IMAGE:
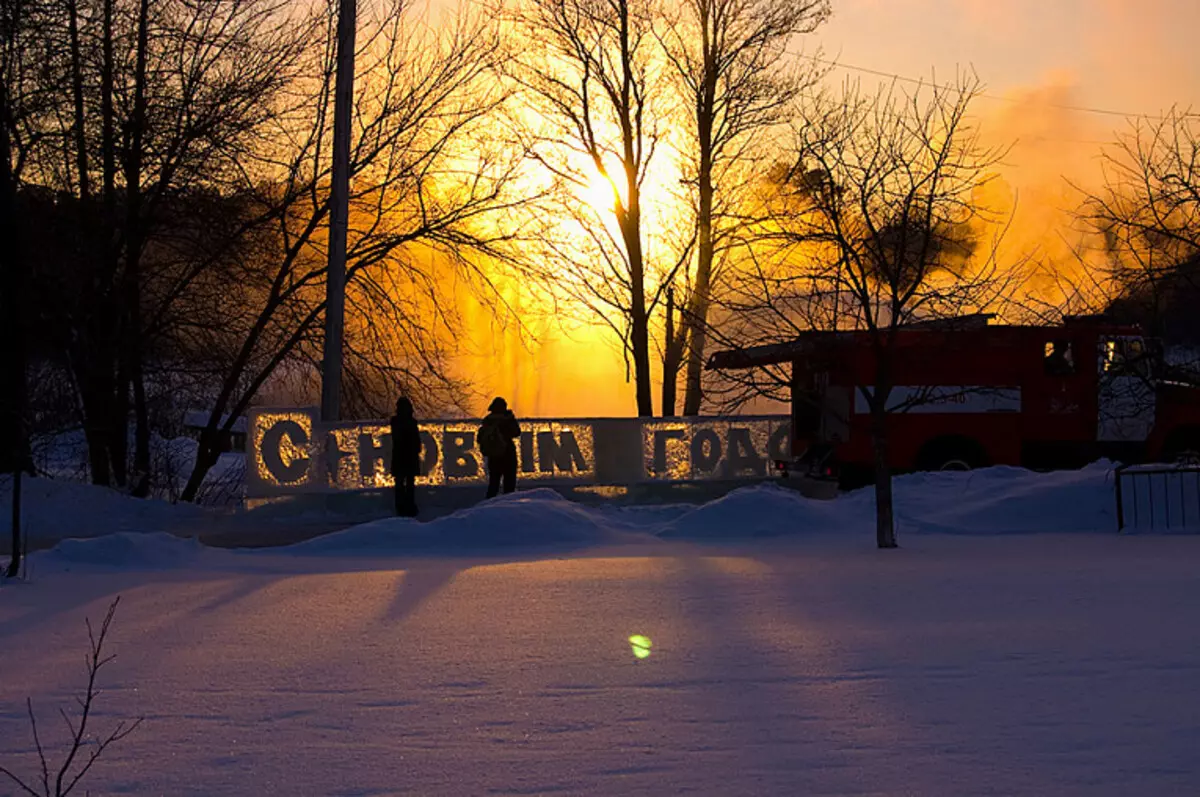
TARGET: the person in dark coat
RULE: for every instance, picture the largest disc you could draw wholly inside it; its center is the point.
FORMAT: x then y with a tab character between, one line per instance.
497	442
406	457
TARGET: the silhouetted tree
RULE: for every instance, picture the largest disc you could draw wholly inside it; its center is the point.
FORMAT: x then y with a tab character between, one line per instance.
738	81
877	219
1146	216
588	67
426	178
145	102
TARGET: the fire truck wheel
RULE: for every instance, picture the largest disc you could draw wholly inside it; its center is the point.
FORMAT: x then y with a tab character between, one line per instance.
951	453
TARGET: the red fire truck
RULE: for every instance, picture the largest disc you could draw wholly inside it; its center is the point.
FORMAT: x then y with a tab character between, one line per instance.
969	393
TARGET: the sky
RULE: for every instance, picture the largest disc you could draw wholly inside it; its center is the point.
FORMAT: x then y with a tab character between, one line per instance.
1037	59
1134	56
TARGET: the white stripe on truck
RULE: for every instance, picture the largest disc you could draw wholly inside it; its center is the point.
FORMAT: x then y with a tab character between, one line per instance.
946	399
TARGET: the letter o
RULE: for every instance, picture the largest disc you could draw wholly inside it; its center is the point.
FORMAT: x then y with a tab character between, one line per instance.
706	450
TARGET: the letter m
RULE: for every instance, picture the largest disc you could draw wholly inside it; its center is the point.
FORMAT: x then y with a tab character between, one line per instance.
559	452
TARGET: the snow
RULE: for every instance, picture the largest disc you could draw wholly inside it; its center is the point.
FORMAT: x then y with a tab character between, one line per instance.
535	519
1005	500
63	457
151	550
55	510
1014	644
999	500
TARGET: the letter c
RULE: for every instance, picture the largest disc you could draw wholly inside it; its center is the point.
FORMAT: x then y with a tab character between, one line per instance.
272	454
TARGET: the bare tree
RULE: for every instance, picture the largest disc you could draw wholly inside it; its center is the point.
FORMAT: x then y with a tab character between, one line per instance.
732	63
880	230
1146	217
149	100
589	69
83	751
425	178
14	23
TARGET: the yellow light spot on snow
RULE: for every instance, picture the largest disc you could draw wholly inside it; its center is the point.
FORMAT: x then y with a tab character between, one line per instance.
640	645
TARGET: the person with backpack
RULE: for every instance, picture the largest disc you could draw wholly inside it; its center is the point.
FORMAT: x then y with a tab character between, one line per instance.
406	457
497	442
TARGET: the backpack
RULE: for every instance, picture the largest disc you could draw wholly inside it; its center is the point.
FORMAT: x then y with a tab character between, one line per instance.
491	439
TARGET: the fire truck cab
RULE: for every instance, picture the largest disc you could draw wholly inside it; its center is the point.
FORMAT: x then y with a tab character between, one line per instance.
967	393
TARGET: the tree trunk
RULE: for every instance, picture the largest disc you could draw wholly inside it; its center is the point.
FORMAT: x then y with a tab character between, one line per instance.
13	449
696	318
96	359
696	341
631	223
141	434
639	332
81	153
672	359
118	427
639	339
207	455
12	389
885	527
95	392
209	451
134	237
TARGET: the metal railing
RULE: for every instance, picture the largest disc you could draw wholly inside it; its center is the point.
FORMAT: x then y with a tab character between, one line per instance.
1150	495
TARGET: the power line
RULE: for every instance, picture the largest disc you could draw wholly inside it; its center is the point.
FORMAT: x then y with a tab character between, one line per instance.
996	97
1018	139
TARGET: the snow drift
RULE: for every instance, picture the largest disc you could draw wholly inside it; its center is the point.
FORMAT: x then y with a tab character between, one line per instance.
1001	500
993	501
56	510
535	519
766	510
129	550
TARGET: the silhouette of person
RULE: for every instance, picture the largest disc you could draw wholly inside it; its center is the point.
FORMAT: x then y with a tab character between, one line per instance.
406	457
497	441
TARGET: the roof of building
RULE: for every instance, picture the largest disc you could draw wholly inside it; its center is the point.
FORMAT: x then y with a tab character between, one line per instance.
824	342
198	419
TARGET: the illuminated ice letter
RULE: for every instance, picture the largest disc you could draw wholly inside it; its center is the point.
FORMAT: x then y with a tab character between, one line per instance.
334	454
460	462
527	463
429	453
706	450
563	456
369	453
291	471
743	459
780	444
661	437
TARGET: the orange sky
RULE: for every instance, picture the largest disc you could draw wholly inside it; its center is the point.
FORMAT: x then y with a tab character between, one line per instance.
1135	56
1129	55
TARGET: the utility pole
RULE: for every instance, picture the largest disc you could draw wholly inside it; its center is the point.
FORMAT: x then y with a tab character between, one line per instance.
339	212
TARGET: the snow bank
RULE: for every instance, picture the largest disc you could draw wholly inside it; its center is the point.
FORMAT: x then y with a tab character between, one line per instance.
154	550
1004	500
999	500
993	501
536	519
762	511
55	510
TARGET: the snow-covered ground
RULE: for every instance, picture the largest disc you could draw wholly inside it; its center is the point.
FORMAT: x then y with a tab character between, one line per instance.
1014	644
